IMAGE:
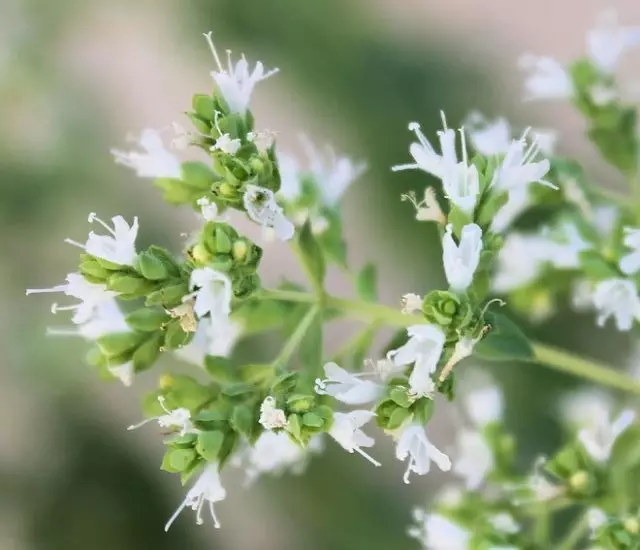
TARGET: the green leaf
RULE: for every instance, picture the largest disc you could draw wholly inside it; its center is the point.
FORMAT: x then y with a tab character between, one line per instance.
504	342
231	440
151	267
175	337
595	266
294	426
313	420
180	459
397	418
244	421
257	374
311	257
147	319
169	296
400	397
131	285
366	283
147	353
197	175
209	445
204	106
220	369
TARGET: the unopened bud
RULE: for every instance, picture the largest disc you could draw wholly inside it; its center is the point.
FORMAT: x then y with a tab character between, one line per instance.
579	480
632	525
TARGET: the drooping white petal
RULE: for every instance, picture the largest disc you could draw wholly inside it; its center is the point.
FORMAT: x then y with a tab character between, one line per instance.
347	433
608	41
176	418
435	532
461	260
598	440
207	488
212	292
154	162
414	445
475	459
488	138
346	387
617	298
546	78
519	262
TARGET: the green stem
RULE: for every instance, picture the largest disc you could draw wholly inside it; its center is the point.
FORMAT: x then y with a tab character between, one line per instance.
294	340
555	358
575	534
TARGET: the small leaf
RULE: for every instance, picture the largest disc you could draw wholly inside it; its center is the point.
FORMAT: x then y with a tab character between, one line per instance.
175	337
244	421
400	397
118	343
366	283
257	374
204	106
197	175
180	459
397	418
147	319
504	342
312	257
147	353
220	369
312	420
209	445
294	426
151	267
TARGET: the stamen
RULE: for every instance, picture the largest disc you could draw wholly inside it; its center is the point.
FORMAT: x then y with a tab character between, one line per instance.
216	523
229	62
74	243
400	167
463	140
175	515
199	520
209	37
55	308
140	424
94	217
408	471
444	120
368	457
161	400
52	331
59	288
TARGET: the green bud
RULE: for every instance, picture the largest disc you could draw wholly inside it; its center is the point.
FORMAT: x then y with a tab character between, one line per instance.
397	418
632	525
129	285
147	319
112	345
294	426
579	481
147	353
423	410
245	284
257	166
209	445
240	250
223	243
226	190
300	403
400	397
169	296
151	267
312	420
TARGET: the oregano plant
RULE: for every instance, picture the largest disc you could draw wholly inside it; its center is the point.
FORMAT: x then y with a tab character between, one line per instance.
136	305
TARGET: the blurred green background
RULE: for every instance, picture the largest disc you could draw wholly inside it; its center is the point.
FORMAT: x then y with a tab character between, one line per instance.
75	77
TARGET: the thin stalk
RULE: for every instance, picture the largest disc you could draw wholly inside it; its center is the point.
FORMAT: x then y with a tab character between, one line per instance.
296	337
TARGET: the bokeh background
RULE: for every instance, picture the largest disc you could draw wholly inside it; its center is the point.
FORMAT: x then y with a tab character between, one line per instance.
77	75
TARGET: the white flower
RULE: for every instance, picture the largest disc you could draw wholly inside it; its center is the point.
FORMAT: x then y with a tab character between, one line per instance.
435	532
413	443
424	349
519	168
582	295
461	261
598	439
261	207
177	418
119	247
383	368
236	82
411	303
125	373
546	78
488	138
484	405
460	181
346	387
275	453
271	417
209	209
630	264
347	433
106	318
505	523
608	41
215	336
333	174
475	460
207	488
617	298
450	496
585	407
290	177
519	262
565	243
596	518
214	292
91	296
227	145
154	162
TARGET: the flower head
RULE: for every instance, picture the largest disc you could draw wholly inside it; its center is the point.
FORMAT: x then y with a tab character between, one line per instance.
119	247
630	264
154	162
332	173
176	418
413	444
546	78
423	349
617	298
346	387
106	318
261	207
599	437
347	433
236	82
435	532
411	303
461	260
608	41
271	417
519	167
488	138
227	144
209	209
475	460
213	294
90	295
207	488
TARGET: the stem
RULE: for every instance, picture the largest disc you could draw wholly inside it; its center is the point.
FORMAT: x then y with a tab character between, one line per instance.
294	340
575	534
550	356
